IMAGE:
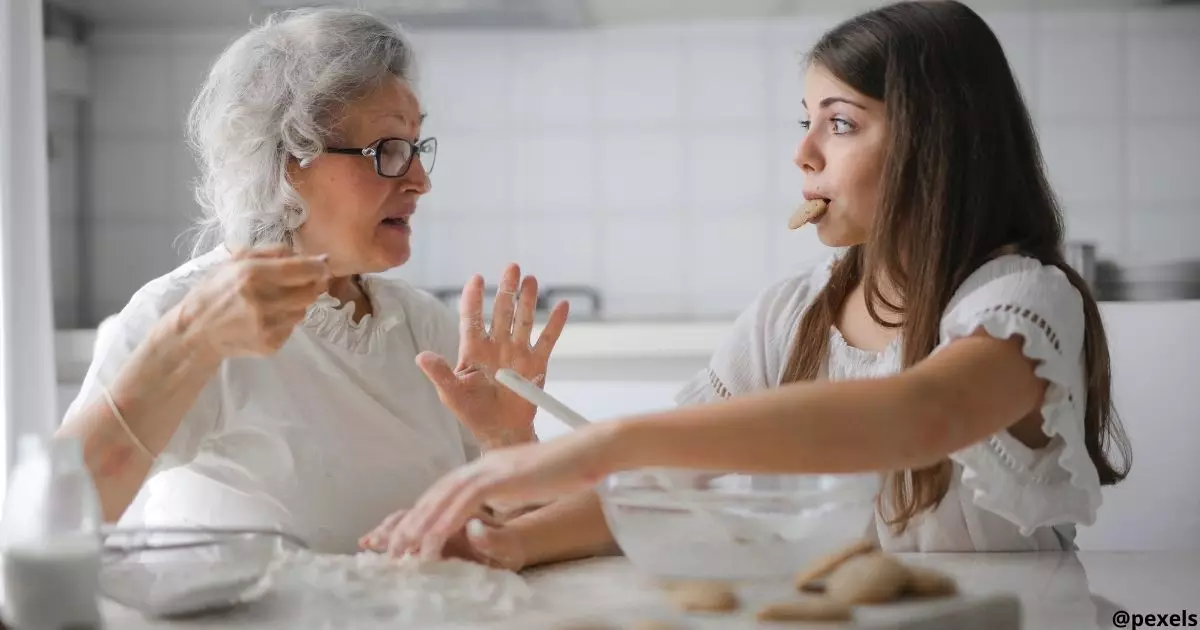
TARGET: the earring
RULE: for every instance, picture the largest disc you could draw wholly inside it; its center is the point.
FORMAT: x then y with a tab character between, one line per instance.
293	218
304	162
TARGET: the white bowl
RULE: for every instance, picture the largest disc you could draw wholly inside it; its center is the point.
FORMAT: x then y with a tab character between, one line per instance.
674	523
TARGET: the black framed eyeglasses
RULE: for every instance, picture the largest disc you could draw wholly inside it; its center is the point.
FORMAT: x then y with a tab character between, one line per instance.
394	156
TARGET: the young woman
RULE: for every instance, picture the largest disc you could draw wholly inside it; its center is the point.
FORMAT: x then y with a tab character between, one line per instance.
947	346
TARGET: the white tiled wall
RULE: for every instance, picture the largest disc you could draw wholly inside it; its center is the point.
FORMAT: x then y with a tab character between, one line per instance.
62	119
654	162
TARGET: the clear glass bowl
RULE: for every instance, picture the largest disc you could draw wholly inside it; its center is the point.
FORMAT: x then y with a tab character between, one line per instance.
176	572
673	523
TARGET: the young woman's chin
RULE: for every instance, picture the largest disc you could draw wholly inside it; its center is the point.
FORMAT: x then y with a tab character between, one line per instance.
833	234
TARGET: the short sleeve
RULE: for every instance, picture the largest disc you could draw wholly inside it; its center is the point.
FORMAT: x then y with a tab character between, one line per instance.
1058	484
753	355
116	340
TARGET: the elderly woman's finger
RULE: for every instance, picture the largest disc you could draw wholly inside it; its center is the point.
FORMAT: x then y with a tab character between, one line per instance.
526	309
291	298
506	298
438	371
470	309
551	331
292	318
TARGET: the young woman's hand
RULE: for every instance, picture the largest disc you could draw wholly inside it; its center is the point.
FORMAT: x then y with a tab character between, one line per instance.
527	473
484	539
496	416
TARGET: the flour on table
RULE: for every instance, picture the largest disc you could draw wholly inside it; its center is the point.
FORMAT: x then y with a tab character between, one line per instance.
384	589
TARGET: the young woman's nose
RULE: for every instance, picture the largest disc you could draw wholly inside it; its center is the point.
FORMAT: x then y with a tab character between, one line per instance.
808	155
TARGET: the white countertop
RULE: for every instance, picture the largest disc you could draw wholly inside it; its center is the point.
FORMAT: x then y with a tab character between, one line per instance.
1055	590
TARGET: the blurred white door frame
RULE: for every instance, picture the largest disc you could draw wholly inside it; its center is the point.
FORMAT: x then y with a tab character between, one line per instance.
27	376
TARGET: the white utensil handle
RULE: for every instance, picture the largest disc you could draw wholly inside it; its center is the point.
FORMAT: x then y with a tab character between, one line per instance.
539	397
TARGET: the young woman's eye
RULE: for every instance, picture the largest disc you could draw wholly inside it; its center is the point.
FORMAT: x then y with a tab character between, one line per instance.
841	125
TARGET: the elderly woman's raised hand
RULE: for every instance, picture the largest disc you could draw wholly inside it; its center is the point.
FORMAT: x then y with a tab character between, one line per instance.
250	305
495	415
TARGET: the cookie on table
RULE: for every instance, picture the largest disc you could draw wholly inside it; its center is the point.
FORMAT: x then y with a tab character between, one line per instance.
871	578
808	580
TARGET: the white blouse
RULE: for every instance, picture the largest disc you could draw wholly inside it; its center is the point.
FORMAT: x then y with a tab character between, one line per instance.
323	439
1004	496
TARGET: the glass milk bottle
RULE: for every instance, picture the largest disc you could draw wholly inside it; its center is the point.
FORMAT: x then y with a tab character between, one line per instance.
50	539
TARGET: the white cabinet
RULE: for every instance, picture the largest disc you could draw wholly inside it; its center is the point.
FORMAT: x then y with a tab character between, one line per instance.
1154	348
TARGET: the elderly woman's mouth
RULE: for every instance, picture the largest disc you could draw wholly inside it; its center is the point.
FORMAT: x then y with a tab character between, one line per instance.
396	222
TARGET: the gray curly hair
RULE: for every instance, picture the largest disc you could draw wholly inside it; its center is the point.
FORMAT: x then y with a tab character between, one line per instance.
274	94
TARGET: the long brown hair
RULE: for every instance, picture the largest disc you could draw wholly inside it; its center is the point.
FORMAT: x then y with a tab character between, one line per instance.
963	179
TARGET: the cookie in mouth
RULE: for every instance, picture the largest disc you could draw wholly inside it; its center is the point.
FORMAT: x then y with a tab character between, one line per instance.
809	211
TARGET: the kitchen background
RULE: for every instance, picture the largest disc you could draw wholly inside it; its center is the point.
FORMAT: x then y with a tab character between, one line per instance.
649	160
641	150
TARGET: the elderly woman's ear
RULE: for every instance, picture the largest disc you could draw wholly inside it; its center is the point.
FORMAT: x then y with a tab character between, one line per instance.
296	170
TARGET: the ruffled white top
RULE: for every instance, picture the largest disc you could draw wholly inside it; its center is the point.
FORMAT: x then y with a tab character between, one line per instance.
324	438
1004	496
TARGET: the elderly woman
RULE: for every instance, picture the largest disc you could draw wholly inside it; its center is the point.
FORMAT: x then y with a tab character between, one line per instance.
271	381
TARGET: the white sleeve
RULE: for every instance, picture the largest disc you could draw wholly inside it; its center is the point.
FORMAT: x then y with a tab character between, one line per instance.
753	355
1057	484
116	339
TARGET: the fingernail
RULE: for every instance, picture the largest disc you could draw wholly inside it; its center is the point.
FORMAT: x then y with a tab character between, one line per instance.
323	257
476	529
